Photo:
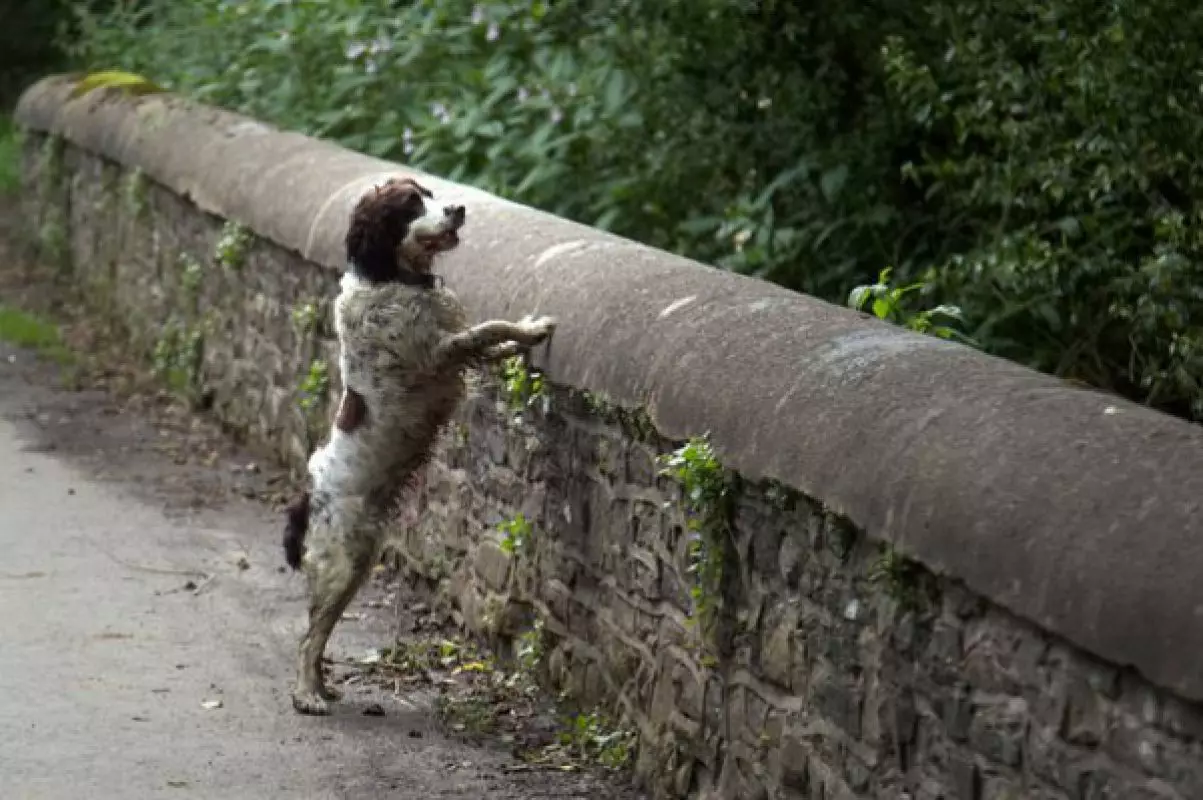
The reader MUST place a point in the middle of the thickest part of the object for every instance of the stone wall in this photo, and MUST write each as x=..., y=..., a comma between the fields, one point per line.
x=820, y=653
x=232, y=322
x=842, y=676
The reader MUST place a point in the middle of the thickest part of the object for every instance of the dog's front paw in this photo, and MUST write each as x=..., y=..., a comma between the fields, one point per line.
x=310, y=703
x=539, y=328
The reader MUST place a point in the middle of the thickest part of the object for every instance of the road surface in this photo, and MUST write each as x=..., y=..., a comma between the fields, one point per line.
x=146, y=645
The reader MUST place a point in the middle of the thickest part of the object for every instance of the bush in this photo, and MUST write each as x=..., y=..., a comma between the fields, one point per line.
x=1057, y=155
x=1029, y=164
x=27, y=29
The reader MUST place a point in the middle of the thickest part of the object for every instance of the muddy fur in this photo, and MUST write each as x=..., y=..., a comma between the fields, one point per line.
x=404, y=344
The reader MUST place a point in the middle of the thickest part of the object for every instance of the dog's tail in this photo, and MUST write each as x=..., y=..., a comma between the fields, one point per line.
x=295, y=529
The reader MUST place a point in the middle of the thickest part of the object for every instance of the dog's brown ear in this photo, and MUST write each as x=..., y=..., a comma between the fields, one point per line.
x=410, y=182
x=422, y=190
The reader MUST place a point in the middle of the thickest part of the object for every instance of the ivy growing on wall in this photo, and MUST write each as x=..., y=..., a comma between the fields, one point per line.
x=707, y=494
x=522, y=384
x=232, y=245
x=314, y=386
x=517, y=534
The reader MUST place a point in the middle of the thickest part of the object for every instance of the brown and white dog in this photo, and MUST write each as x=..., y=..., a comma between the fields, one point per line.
x=404, y=343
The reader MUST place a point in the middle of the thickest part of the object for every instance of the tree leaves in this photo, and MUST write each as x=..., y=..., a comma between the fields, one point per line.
x=1026, y=164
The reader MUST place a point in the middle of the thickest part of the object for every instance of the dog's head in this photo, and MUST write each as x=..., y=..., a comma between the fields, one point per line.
x=391, y=238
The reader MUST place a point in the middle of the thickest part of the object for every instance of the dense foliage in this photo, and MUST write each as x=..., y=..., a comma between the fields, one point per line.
x=27, y=43
x=1032, y=163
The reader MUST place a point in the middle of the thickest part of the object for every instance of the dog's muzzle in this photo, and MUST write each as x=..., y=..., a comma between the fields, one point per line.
x=444, y=234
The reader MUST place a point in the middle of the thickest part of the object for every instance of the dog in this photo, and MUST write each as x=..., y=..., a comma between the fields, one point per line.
x=404, y=346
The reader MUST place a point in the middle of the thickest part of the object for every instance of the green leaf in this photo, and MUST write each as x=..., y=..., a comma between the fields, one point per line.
x=541, y=174
x=832, y=182
x=615, y=91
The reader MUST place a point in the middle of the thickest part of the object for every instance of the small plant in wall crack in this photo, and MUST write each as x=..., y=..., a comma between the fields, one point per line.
x=523, y=386
x=53, y=159
x=135, y=191
x=232, y=247
x=178, y=356
x=636, y=422
x=905, y=580
x=707, y=495
x=531, y=646
x=52, y=239
x=305, y=316
x=517, y=534
x=191, y=275
x=594, y=738
x=599, y=405
x=314, y=386
x=843, y=536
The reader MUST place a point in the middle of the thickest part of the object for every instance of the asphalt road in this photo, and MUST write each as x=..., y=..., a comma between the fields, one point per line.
x=110, y=668
x=147, y=634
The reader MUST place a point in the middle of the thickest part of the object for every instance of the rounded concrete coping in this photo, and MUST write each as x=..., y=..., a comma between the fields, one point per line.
x=1073, y=509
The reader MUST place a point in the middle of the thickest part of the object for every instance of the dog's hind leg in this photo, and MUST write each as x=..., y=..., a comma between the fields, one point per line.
x=335, y=577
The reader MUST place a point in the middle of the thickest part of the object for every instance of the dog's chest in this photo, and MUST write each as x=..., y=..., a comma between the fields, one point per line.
x=388, y=336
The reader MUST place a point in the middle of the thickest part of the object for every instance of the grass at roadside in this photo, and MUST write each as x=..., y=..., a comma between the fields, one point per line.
x=26, y=330
x=10, y=152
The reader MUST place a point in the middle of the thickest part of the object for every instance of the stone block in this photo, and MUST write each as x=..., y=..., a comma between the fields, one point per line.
x=493, y=565
x=839, y=701
x=777, y=650
x=998, y=728
x=640, y=465
x=1086, y=715
x=966, y=779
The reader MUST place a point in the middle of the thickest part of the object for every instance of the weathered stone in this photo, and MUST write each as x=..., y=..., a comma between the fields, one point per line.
x=857, y=775
x=1085, y=716
x=1183, y=719
x=765, y=548
x=715, y=708
x=495, y=445
x=790, y=559
x=966, y=779
x=998, y=728
x=683, y=779
x=900, y=723
x=692, y=697
x=795, y=765
x=1002, y=787
x=1047, y=757
x=641, y=573
x=840, y=702
x=756, y=714
x=493, y=565
x=582, y=621
x=640, y=466
x=956, y=712
x=515, y=618
x=776, y=654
